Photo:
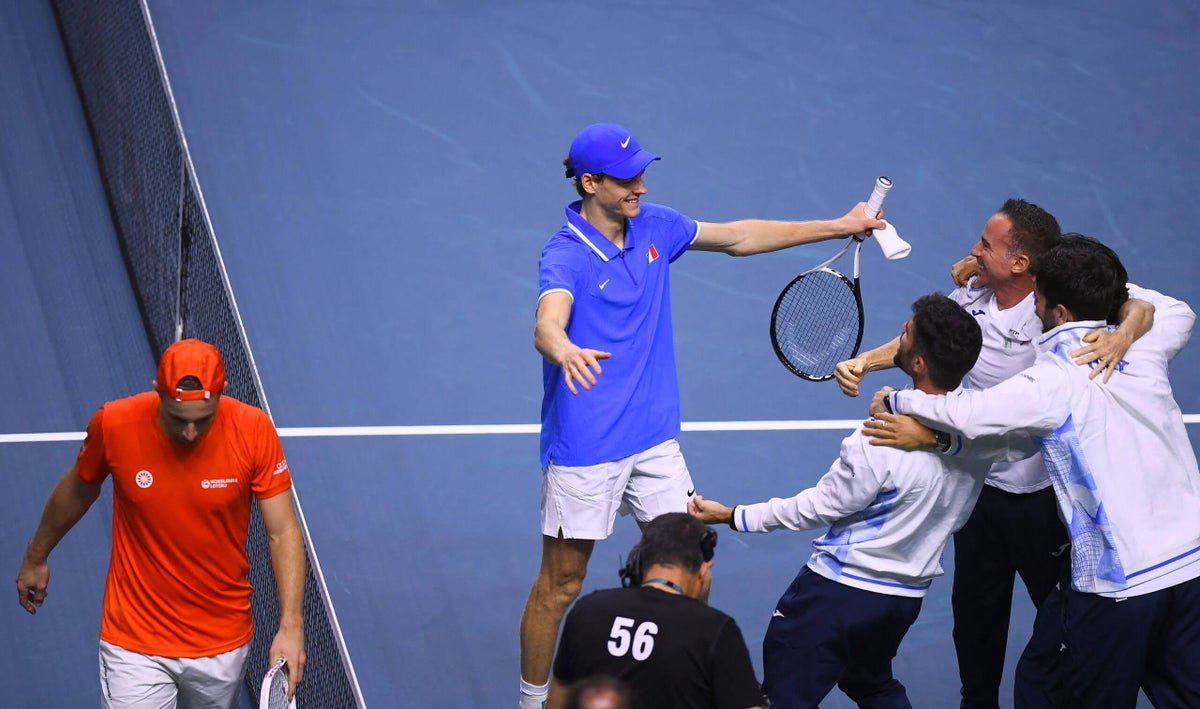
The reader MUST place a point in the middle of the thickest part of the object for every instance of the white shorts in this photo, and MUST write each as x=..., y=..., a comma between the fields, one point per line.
x=131, y=679
x=583, y=501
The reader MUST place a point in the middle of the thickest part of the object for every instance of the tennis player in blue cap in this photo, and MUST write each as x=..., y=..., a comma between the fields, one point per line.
x=608, y=431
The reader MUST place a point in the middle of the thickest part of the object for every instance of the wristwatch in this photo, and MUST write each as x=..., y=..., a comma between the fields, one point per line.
x=942, y=442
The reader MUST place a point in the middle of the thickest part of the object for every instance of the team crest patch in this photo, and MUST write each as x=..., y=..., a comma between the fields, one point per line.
x=653, y=254
x=143, y=479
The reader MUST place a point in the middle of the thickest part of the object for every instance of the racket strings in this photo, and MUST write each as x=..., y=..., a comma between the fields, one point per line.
x=274, y=693
x=277, y=697
x=817, y=323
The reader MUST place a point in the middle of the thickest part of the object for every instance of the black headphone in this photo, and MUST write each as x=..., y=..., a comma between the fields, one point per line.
x=631, y=572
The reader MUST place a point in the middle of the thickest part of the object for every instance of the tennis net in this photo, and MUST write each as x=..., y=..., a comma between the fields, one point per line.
x=179, y=278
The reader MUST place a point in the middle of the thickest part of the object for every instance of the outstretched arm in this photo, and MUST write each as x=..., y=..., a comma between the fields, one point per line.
x=579, y=365
x=287, y=560
x=757, y=236
x=709, y=511
x=1108, y=347
x=963, y=269
x=849, y=486
x=1173, y=320
x=1035, y=400
x=903, y=432
x=849, y=373
x=906, y=433
x=68, y=502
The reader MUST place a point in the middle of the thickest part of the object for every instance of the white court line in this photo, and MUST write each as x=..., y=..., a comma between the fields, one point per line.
x=500, y=429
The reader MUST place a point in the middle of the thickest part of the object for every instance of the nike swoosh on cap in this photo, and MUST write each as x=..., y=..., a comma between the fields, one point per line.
x=625, y=143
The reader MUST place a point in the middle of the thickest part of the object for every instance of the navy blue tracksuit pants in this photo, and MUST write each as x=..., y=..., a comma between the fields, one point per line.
x=824, y=633
x=1091, y=651
x=1007, y=535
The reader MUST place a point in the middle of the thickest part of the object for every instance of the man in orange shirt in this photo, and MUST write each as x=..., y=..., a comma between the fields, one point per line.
x=184, y=462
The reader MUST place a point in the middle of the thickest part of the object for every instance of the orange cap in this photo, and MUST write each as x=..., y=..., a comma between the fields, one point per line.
x=191, y=358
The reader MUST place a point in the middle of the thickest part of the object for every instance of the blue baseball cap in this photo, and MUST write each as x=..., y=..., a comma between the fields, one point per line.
x=608, y=149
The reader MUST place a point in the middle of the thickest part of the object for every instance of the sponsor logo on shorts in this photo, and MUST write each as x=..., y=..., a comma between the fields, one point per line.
x=777, y=614
x=281, y=467
x=216, y=483
x=144, y=479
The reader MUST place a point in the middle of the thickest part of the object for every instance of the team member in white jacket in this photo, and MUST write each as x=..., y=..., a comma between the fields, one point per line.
x=1125, y=477
x=889, y=515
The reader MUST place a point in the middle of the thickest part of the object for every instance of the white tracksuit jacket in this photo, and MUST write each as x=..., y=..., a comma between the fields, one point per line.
x=889, y=512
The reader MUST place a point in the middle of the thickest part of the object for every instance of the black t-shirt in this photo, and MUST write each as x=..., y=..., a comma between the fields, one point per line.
x=674, y=651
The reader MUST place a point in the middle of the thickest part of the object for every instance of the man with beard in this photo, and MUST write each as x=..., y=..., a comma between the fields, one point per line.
x=889, y=515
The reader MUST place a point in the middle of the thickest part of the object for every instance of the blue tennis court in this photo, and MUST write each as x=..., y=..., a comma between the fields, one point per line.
x=381, y=178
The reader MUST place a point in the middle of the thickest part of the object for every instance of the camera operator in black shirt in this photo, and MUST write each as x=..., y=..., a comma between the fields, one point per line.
x=672, y=649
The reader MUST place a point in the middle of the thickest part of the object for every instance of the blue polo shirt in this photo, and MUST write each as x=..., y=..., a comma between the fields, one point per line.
x=621, y=304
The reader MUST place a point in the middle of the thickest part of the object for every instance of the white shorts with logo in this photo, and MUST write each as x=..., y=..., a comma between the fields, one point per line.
x=583, y=501
x=131, y=679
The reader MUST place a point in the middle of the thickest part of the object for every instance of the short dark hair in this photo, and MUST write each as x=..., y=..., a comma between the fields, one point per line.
x=570, y=171
x=676, y=539
x=1083, y=275
x=947, y=337
x=586, y=691
x=1033, y=229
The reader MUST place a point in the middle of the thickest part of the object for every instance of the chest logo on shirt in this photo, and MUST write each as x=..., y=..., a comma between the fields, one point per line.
x=144, y=479
x=652, y=255
x=217, y=483
x=976, y=312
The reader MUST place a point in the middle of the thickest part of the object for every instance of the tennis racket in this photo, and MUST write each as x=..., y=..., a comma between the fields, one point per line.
x=274, y=691
x=818, y=318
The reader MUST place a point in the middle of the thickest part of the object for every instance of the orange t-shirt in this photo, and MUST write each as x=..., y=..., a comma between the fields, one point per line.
x=177, y=583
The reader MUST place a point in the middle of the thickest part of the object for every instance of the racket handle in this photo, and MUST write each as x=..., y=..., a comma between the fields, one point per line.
x=882, y=185
x=889, y=241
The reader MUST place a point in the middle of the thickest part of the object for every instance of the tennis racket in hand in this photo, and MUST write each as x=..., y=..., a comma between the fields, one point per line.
x=818, y=318
x=274, y=692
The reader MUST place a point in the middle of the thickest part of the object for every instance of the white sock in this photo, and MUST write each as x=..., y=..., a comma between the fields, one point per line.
x=533, y=696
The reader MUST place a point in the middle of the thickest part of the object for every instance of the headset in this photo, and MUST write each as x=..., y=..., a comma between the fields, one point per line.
x=631, y=572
